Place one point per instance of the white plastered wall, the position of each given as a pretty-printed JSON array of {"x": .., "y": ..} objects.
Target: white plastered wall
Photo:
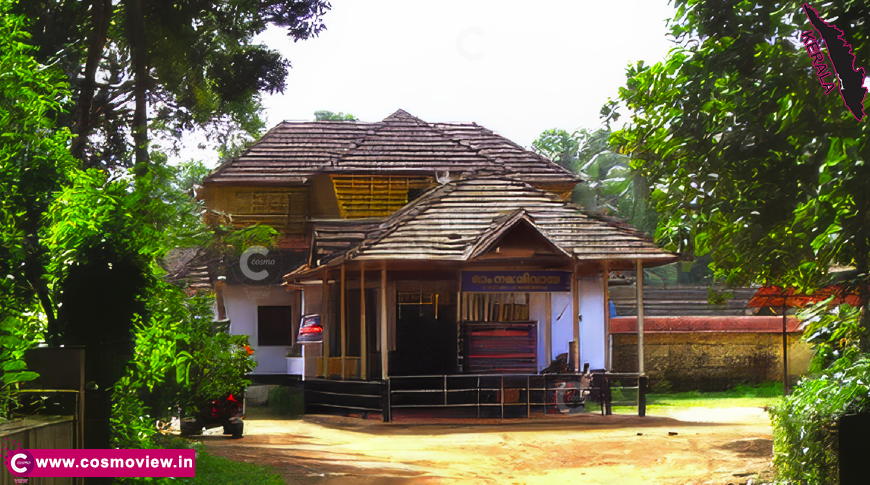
[
  {"x": 592, "y": 343},
  {"x": 241, "y": 303}
]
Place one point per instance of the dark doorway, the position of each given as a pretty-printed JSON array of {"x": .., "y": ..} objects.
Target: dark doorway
[{"x": 425, "y": 342}]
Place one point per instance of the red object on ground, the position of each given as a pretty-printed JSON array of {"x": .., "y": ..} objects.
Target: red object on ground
[{"x": 732, "y": 324}]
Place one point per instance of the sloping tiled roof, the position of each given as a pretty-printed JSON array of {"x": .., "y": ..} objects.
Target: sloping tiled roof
[
  {"x": 452, "y": 222},
  {"x": 338, "y": 235},
  {"x": 188, "y": 268},
  {"x": 400, "y": 144}
]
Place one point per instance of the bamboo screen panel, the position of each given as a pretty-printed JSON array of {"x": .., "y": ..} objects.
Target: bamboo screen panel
[{"x": 362, "y": 196}]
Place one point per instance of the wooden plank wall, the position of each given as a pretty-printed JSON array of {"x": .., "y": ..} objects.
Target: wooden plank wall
[{"x": 284, "y": 208}]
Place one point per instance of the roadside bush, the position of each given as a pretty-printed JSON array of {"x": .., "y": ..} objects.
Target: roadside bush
[
  {"x": 182, "y": 358},
  {"x": 16, "y": 336},
  {"x": 805, "y": 424}
]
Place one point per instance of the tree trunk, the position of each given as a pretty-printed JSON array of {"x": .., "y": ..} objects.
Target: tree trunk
[
  {"x": 138, "y": 50},
  {"x": 34, "y": 272},
  {"x": 101, "y": 14}
]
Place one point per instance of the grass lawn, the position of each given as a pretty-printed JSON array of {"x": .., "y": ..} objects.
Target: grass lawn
[
  {"x": 761, "y": 395},
  {"x": 216, "y": 470},
  {"x": 212, "y": 470}
]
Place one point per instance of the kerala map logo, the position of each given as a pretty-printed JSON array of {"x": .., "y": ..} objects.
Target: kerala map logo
[{"x": 851, "y": 79}]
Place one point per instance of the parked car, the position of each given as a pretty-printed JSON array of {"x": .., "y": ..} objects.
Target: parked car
[
  {"x": 310, "y": 329},
  {"x": 226, "y": 411}
]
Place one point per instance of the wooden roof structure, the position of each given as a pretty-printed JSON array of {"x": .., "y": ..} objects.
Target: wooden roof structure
[
  {"x": 463, "y": 220},
  {"x": 401, "y": 144}
]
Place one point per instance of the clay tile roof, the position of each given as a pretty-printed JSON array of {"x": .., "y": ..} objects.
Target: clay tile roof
[
  {"x": 336, "y": 236},
  {"x": 292, "y": 152},
  {"x": 188, "y": 268},
  {"x": 452, "y": 221}
]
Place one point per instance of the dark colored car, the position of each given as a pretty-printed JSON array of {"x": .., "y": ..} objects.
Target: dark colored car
[
  {"x": 310, "y": 329},
  {"x": 226, "y": 411}
]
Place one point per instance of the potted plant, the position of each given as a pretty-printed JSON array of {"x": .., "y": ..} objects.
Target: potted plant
[{"x": 296, "y": 360}]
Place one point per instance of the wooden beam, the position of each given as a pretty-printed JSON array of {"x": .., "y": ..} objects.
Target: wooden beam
[
  {"x": 343, "y": 323},
  {"x": 324, "y": 321},
  {"x": 548, "y": 330},
  {"x": 219, "y": 302},
  {"x": 385, "y": 361},
  {"x": 639, "y": 290},
  {"x": 363, "y": 350},
  {"x": 575, "y": 296},
  {"x": 606, "y": 282}
]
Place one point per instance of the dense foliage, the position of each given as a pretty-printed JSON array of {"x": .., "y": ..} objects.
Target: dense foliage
[
  {"x": 142, "y": 69},
  {"x": 752, "y": 163},
  {"x": 33, "y": 163},
  {"x": 79, "y": 257},
  {"x": 330, "y": 116},
  {"x": 182, "y": 358},
  {"x": 609, "y": 184},
  {"x": 732, "y": 110}
]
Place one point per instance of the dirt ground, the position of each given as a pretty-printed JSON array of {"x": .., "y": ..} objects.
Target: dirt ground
[{"x": 693, "y": 446}]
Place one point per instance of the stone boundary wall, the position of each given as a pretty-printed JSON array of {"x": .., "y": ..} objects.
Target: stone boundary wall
[{"x": 717, "y": 358}]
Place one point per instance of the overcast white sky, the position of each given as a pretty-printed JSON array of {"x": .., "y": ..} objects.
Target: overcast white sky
[{"x": 517, "y": 68}]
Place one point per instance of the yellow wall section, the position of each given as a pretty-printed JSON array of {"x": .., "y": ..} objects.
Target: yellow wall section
[{"x": 362, "y": 196}]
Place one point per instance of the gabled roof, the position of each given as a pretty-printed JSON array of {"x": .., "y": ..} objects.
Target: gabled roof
[
  {"x": 401, "y": 144},
  {"x": 460, "y": 220},
  {"x": 501, "y": 226}
]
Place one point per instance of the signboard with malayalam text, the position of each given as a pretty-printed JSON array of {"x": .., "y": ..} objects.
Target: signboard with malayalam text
[{"x": 508, "y": 281}]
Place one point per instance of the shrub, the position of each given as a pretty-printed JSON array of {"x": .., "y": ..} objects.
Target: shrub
[
  {"x": 182, "y": 359},
  {"x": 805, "y": 424}
]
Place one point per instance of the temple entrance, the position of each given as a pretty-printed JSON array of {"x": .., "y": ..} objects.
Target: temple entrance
[{"x": 426, "y": 331}]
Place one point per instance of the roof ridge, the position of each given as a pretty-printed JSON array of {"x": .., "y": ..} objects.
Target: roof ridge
[
  {"x": 466, "y": 143},
  {"x": 402, "y": 115}
]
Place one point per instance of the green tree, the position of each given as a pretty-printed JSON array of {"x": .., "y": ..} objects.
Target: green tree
[
  {"x": 610, "y": 185},
  {"x": 745, "y": 152},
  {"x": 330, "y": 116},
  {"x": 751, "y": 162},
  {"x": 33, "y": 164},
  {"x": 146, "y": 68},
  {"x": 79, "y": 254}
]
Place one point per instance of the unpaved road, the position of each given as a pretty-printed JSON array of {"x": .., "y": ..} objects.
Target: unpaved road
[{"x": 716, "y": 446}]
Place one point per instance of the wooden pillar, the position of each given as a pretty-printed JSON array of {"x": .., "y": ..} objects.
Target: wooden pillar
[
  {"x": 606, "y": 281},
  {"x": 363, "y": 350},
  {"x": 219, "y": 299},
  {"x": 639, "y": 293},
  {"x": 575, "y": 296},
  {"x": 324, "y": 321},
  {"x": 385, "y": 352},
  {"x": 548, "y": 330},
  {"x": 343, "y": 323}
]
